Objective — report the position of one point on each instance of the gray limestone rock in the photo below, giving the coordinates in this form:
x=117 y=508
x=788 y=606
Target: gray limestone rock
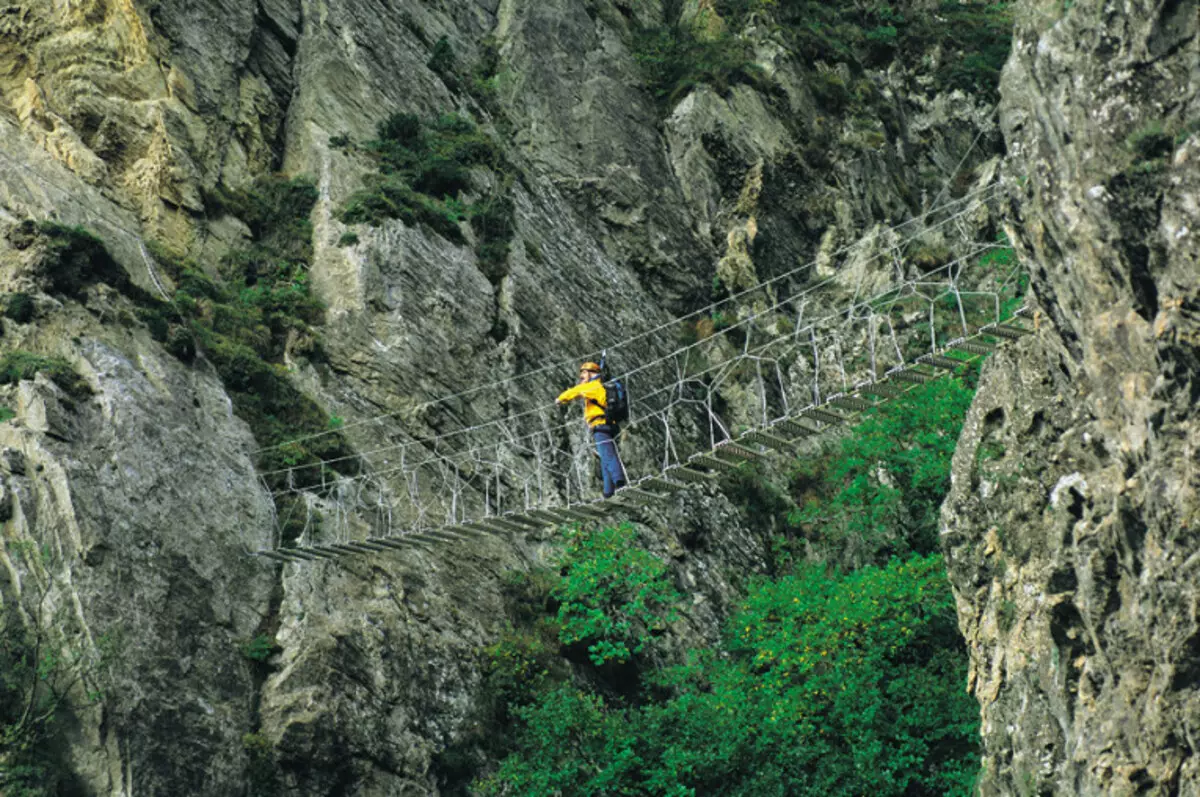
x=1071 y=529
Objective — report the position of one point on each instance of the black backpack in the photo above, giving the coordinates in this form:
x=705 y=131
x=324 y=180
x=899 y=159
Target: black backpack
x=616 y=402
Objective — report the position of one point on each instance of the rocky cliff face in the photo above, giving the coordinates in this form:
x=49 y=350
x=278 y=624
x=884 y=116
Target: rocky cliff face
x=1071 y=529
x=131 y=501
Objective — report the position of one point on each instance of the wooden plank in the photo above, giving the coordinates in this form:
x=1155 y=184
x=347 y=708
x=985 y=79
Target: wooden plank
x=687 y=474
x=732 y=450
x=761 y=438
x=708 y=460
x=824 y=416
x=852 y=403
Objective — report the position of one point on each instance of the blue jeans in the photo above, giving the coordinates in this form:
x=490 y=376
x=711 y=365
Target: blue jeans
x=610 y=461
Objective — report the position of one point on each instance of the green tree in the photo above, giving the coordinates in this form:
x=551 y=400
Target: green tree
x=879 y=491
x=613 y=594
x=826 y=686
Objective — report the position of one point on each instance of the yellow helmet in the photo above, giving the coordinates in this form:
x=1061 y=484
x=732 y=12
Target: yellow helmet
x=590 y=366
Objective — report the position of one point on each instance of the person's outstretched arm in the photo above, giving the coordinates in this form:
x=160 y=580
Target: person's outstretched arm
x=571 y=393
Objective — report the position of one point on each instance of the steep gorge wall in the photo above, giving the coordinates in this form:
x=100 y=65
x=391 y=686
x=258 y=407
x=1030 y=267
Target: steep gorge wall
x=1071 y=530
x=124 y=116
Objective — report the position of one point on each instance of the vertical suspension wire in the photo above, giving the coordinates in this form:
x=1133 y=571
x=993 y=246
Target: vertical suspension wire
x=816 y=367
x=499 y=486
x=895 y=341
x=874 y=363
x=958 y=298
x=841 y=361
x=783 y=393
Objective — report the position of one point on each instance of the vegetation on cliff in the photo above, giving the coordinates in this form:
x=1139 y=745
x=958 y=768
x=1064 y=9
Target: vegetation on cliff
x=972 y=41
x=829 y=680
x=43 y=670
x=250 y=320
x=969 y=41
x=424 y=176
x=18 y=365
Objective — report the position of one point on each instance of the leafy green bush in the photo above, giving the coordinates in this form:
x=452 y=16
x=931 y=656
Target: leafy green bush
x=484 y=86
x=826 y=686
x=260 y=765
x=424 y=166
x=1000 y=262
x=259 y=648
x=276 y=209
x=494 y=223
x=46 y=682
x=527 y=593
x=20 y=308
x=245 y=322
x=674 y=61
x=1150 y=141
x=390 y=197
x=443 y=62
x=613 y=594
x=71 y=258
x=421 y=165
x=881 y=487
x=975 y=35
x=18 y=365
x=518 y=667
x=569 y=744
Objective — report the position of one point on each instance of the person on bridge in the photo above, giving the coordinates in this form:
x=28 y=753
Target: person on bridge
x=591 y=390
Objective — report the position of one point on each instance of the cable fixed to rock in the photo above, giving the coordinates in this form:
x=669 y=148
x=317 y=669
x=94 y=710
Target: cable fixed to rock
x=757 y=388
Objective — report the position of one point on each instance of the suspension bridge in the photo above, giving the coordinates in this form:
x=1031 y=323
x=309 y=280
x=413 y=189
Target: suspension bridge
x=757 y=375
x=772 y=370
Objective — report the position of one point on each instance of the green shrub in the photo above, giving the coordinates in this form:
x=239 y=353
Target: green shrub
x=392 y=198
x=243 y=323
x=1150 y=141
x=673 y=61
x=276 y=209
x=47 y=681
x=830 y=90
x=527 y=593
x=443 y=62
x=825 y=685
x=1000 y=263
x=494 y=223
x=569 y=744
x=613 y=594
x=533 y=251
x=259 y=648
x=71 y=258
x=348 y=239
x=484 y=77
x=20 y=308
x=880 y=490
x=18 y=365
x=835 y=685
x=260 y=765
x=517 y=668
x=402 y=129
x=423 y=167
x=975 y=35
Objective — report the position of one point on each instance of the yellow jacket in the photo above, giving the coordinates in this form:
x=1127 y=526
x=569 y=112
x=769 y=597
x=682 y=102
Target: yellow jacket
x=594 y=397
